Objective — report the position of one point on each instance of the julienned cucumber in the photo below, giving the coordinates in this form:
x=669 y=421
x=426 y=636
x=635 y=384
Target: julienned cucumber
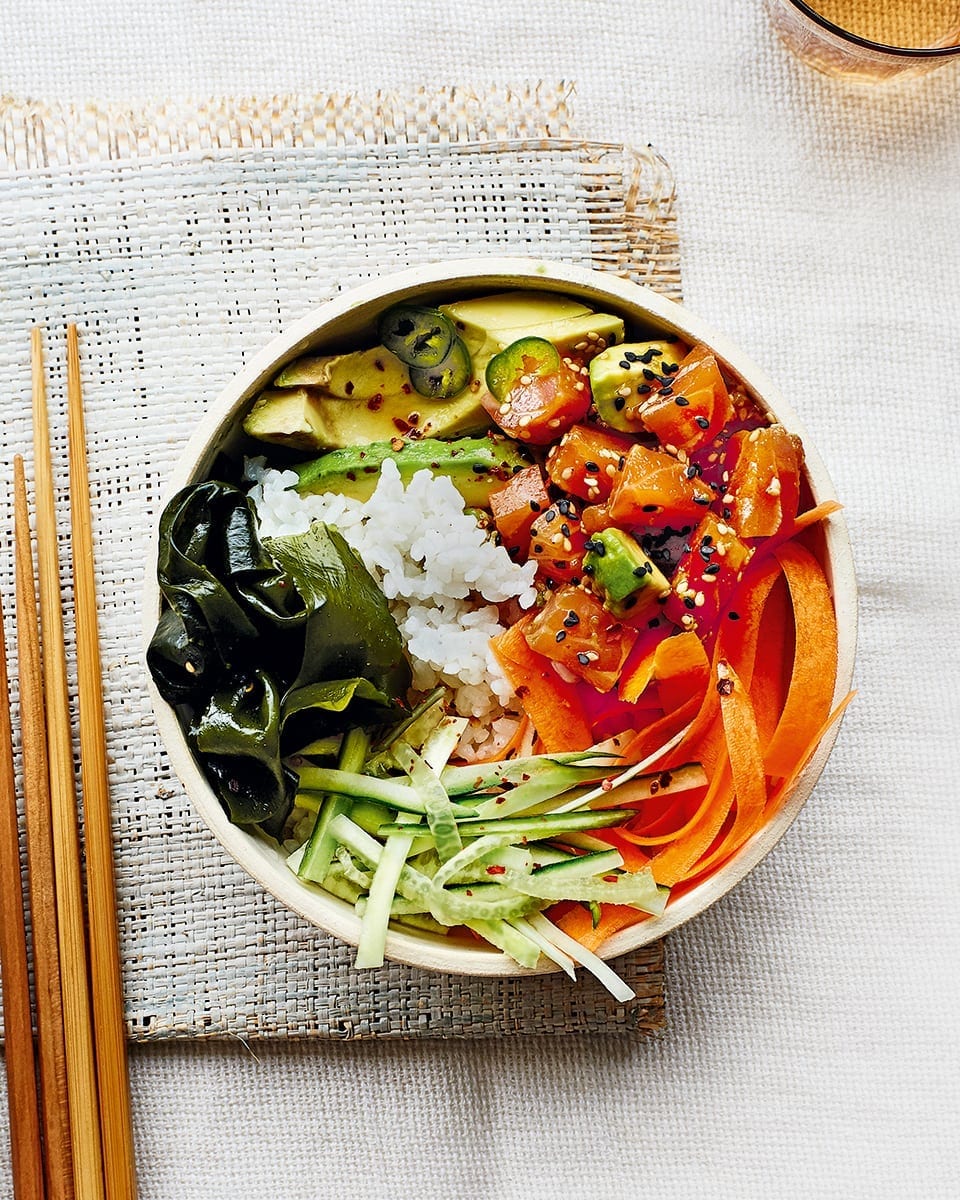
x=547 y=826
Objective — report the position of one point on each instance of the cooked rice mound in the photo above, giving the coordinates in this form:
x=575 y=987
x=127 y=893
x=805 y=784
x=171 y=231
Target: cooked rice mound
x=440 y=572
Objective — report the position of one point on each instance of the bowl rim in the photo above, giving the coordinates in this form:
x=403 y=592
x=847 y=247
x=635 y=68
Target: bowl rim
x=640 y=304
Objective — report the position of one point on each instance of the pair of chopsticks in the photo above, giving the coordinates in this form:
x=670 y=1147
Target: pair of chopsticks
x=69 y=1097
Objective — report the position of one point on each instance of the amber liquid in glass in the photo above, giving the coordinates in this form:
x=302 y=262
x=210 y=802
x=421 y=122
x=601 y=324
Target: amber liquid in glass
x=908 y=28
x=908 y=24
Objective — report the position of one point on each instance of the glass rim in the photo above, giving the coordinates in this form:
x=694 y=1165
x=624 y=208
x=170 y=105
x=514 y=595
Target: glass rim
x=866 y=44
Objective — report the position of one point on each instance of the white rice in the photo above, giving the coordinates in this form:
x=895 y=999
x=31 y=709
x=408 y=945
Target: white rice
x=439 y=572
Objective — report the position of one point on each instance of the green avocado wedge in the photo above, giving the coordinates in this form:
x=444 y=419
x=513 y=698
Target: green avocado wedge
x=475 y=466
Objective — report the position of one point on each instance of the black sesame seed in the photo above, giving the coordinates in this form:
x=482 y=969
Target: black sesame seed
x=592 y=467
x=651 y=508
x=734 y=616
x=621 y=463
x=625 y=365
x=630 y=356
x=703 y=422
x=639 y=572
x=648 y=374
x=534 y=506
x=583 y=659
x=571 y=619
x=564 y=507
x=537 y=549
x=650 y=355
x=704 y=500
x=681 y=402
x=550 y=515
x=565 y=529
x=620 y=403
x=644 y=389
x=712 y=569
x=561 y=634
x=688 y=603
x=666 y=391
x=588 y=569
x=653 y=623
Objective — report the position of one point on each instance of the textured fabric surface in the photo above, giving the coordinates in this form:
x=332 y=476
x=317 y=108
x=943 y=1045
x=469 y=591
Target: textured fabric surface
x=813 y=1046
x=262 y=212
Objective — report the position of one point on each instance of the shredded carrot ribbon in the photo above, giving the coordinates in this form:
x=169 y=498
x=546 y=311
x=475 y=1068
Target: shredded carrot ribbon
x=814 y=663
x=550 y=703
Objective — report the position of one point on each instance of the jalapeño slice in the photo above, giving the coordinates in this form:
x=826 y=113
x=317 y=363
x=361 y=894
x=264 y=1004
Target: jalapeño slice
x=529 y=356
x=419 y=337
x=448 y=378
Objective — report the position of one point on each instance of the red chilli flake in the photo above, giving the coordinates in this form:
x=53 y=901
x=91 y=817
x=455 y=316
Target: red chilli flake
x=611 y=879
x=496 y=869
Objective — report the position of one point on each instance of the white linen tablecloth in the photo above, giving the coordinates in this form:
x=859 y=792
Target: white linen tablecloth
x=813 y=1046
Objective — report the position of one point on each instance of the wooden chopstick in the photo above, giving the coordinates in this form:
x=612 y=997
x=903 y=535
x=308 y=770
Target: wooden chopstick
x=109 y=1026
x=77 y=1019
x=18 y=1022
x=54 y=1111
x=36 y=798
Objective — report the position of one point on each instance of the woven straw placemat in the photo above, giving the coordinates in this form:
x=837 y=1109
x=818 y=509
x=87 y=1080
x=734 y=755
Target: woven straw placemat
x=180 y=240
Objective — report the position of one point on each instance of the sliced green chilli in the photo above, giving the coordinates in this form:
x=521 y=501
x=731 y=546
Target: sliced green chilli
x=448 y=378
x=419 y=337
x=527 y=358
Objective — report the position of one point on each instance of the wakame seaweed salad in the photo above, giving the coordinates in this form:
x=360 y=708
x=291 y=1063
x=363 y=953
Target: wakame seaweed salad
x=264 y=645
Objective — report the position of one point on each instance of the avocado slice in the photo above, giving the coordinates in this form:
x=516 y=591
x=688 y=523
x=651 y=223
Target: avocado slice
x=489 y=324
x=338 y=400
x=307 y=418
x=475 y=466
x=621 y=379
x=631 y=586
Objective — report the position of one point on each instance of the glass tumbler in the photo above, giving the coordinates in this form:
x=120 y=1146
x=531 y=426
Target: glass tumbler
x=854 y=49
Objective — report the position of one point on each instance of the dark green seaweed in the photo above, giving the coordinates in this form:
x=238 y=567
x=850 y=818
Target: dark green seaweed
x=263 y=646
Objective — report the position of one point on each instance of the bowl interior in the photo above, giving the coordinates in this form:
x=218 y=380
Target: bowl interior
x=349 y=321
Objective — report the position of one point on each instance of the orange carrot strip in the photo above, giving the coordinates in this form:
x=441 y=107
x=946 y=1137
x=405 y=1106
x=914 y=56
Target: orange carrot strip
x=788 y=782
x=645 y=741
x=681 y=668
x=771 y=677
x=738 y=639
x=815 y=660
x=674 y=862
x=549 y=702
x=642 y=839
x=746 y=765
x=818 y=513
x=578 y=923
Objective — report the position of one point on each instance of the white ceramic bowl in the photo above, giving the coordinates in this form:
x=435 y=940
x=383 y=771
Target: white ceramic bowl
x=348 y=321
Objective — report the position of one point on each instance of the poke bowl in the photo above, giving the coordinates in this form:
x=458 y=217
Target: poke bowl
x=500 y=617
